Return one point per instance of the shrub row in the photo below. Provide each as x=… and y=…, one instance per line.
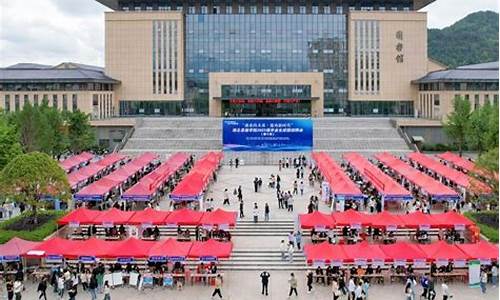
x=42, y=230
x=486, y=223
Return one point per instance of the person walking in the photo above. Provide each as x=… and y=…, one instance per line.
x=72, y=292
x=264, y=278
x=93, y=287
x=218, y=287
x=365, y=286
x=309, y=281
x=424, y=282
x=358, y=292
x=494, y=274
x=302, y=188
x=236, y=162
x=255, y=213
x=255, y=184
x=290, y=253
x=18, y=289
x=295, y=188
x=226, y=197
x=242, y=215
x=445, y=290
x=298, y=239
x=483, y=281
x=292, y=281
x=290, y=202
x=266, y=212
x=231, y=163
x=42, y=288
x=351, y=287
x=432, y=292
x=283, y=249
x=107, y=291
x=60, y=286
x=240, y=193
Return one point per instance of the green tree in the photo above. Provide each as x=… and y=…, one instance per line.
x=492, y=132
x=488, y=168
x=478, y=129
x=55, y=141
x=458, y=122
x=9, y=142
x=81, y=135
x=27, y=122
x=30, y=177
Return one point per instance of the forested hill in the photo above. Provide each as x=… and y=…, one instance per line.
x=473, y=39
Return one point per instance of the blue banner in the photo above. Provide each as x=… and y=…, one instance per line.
x=267, y=134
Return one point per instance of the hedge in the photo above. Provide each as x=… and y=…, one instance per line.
x=482, y=219
x=39, y=234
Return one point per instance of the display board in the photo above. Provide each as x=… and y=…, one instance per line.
x=267, y=134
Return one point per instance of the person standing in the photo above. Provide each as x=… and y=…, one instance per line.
x=358, y=292
x=10, y=289
x=290, y=253
x=483, y=281
x=309, y=281
x=292, y=281
x=60, y=286
x=264, y=277
x=494, y=274
x=279, y=165
x=298, y=239
x=291, y=238
x=302, y=188
x=351, y=287
x=72, y=292
x=107, y=291
x=42, y=288
x=365, y=286
x=231, y=163
x=255, y=213
x=295, y=188
x=93, y=287
x=240, y=193
x=446, y=291
x=236, y=162
x=241, y=209
x=218, y=287
x=290, y=202
x=266, y=212
x=18, y=289
x=335, y=289
x=226, y=197
x=283, y=249
x=255, y=185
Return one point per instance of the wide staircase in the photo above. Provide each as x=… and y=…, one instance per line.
x=202, y=134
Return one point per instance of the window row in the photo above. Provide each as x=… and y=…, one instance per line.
x=13, y=102
x=56, y=87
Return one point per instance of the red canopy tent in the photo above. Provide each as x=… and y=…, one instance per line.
x=152, y=182
x=171, y=248
x=94, y=169
x=436, y=189
x=458, y=161
x=384, y=220
x=149, y=216
x=113, y=216
x=15, y=247
x=79, y=216
x=383, y=183
x=211, y=249
x=481, y=250
x=324, y=252
x=130, y=247
x=351, y=218
x=452, y=219
x=55, y=246
x=219, y=217
x=365, y=252
x=184, y=217
x=442, y=251
x=316, y=219
x=418, y=220
x=92, y=247
x=451, y=174
x=75, y=161
x=403, y=251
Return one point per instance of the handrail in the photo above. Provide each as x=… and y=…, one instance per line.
x=127, y=136
x=407, y=139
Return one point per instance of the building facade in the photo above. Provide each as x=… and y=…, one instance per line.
x=67, y=86
x=170, y=56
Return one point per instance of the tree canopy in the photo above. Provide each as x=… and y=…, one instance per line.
x=9, y=142
x=458, y=122
x=31, y=177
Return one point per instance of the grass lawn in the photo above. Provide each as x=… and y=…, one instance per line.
x=488, y=231
x=23, y=227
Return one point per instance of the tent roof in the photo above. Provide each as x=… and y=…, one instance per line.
x=130, y=247
x=403, y=251
x=219, y=217
x=53, y=246
x=211, y=248
x=459, y=178
x=364, y=251
x=443, y=251
x=350, y=217
x=417, y=219
x=480, y=250
x=75, y=160
x=184, y=217
x=451, y=219
x=171, y=247
x=325, y=251
x=149, y=215
x=457, y=160
x=385, y=219
x=384, y=184
x=94, y=168
x=16, y=246
x=316, y=218
x=80, y=215
x=114, y=216
x=92, y=247
x=433, y=187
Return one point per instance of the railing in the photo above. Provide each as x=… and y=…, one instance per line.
x=127, y=136
x=407, y=139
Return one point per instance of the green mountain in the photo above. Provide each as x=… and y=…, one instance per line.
x=473, y=39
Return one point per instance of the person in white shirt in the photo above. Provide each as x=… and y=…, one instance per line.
x=483, y=281
x=446, y=291
x=18, y=289
x=290, y=253
x=494, y=274
x=283, y=249
x=358, y=292
x=351, y=287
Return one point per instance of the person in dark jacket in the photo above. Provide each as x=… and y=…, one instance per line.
x=42, y=287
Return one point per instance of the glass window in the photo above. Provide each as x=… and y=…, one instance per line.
x=315, y=10
x=17, y=105
x=326, y=10
x=74, y=102
x=54, y=101
x=35, y=100
x=26, y=99
x=7, y=103
x=215, y=10
x=65, y=102
x=265, y=9
x=253, y=10
x=277, y=10
x=339, y=10
x=436, y=100
x=241, y=9
x=229, y=10
x=381, y=8
x=495, y=99
x=486, y=99
x=290, y=10
x=204, y=10
x=302, y=10
x=192, y=10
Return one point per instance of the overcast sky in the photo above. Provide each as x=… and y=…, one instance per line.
x=53, y=31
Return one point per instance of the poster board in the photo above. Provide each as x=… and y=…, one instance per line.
x=474, y=273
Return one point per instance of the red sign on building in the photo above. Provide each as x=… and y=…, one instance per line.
x=263, y=101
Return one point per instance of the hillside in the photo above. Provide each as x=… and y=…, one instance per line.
x=473, y=39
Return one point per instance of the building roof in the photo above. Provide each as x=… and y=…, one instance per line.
x=64, y=72
x=485, y=72
x=116, y=4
